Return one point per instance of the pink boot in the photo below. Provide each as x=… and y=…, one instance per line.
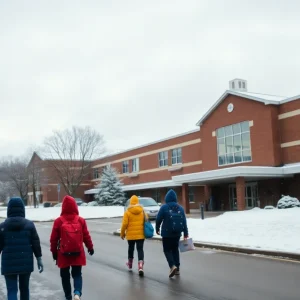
x=141, y=268
x=129, y=264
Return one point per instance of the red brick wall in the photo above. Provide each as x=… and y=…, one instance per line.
x=262, y=133
x=290, y=131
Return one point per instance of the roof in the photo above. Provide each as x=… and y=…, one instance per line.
x=238, y=171
x=263, y=98
x=148, y=144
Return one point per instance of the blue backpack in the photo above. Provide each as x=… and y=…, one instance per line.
x=148, y=228
x=176, y=219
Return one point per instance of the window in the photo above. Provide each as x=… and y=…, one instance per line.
x=234, y=144
x=163, y=158
x=191, y=195
x=244, y=85
x=176, y=156
x=233, y=86
x=125, y=168
x=96, y=173
x=240, y=84
x=135, y=165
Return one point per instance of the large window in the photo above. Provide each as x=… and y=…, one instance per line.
x=176, y=156
x=135, y=165
x=125, y=168
x=163, y=158
x=234, y=145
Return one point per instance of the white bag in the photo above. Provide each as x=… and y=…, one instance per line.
x=186, y=245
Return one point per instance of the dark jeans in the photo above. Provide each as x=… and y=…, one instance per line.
x=139, y=248
x=170, y=246
x=12, y=286
x=66, y=283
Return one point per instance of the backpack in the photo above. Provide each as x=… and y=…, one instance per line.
x=71, y=237
x=176, y=219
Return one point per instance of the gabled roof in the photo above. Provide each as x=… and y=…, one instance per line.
x=263, y=98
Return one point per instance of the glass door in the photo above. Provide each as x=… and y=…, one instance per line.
x=232, y=197
x=251, y=195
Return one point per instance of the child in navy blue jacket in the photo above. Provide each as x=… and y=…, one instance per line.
x=19, y=241
x=172, y=217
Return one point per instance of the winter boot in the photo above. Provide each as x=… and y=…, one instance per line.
x=140, y=267
x=129, y=264
x=172, y=272
x=76, y=296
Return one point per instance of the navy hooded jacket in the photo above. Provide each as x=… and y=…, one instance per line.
x=18, y=240
x=163, y=216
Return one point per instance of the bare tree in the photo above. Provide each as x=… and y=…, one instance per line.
x=6, y=191
x=70, y=153
x=14, y=170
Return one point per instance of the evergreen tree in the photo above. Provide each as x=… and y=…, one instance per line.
x=110, y=188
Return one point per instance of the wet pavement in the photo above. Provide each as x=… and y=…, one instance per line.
x=205, y=274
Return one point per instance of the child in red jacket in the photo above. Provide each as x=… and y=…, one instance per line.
x=69, y=233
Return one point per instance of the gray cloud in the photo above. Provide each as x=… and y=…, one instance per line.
x=136, y=71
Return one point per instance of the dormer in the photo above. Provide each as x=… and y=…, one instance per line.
x=239, y=85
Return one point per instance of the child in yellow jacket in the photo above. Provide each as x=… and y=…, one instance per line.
x=133, y=229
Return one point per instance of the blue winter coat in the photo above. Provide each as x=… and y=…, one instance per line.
x=18, y=240
x=163, y=216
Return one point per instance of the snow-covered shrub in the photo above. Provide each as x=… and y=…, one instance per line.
x=269, y=207
x=93, y=203
x=83, y=204
x=288, y=202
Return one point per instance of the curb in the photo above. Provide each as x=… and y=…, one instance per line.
x=277, y=254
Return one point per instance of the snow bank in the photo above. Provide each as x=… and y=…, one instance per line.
x=87, y=212
x=274, y=229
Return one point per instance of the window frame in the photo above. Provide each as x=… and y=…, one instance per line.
x=233, y=154
x=177, y=156
x=125, y=163
x=96, y=173
x=137, y=165
x=165, y=159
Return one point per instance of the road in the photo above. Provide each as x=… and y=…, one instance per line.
x=205, y=274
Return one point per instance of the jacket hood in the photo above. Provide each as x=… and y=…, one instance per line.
x=134, y=200
x=171, y=197
x=15, y=208
x=134, y=207
x=69, y=206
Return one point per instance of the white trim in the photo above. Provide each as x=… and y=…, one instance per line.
x=234, y=93
x=149, y=144
x=250, y=96
x=143, y=154
x=290, y=144
x=289, y=114
x=149, y=185
x=290, y=99
x=91, y=191
x=233, y=172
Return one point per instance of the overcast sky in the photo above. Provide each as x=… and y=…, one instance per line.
x=136, y=71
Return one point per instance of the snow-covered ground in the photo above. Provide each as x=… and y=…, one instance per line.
x=274, y=229
x=87, y=212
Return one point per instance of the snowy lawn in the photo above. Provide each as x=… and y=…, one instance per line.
x=87, y=212
x=273, y=230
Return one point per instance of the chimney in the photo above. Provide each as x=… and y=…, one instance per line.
x=239, y=85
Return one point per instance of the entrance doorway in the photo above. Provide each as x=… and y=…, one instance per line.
x=251, y=195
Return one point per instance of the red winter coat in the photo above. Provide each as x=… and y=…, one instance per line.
x=69, y=211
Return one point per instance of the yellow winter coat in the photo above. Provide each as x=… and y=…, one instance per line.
x=133, y=221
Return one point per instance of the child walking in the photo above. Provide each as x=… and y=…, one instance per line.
x=68, y=235
x=133, y=229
